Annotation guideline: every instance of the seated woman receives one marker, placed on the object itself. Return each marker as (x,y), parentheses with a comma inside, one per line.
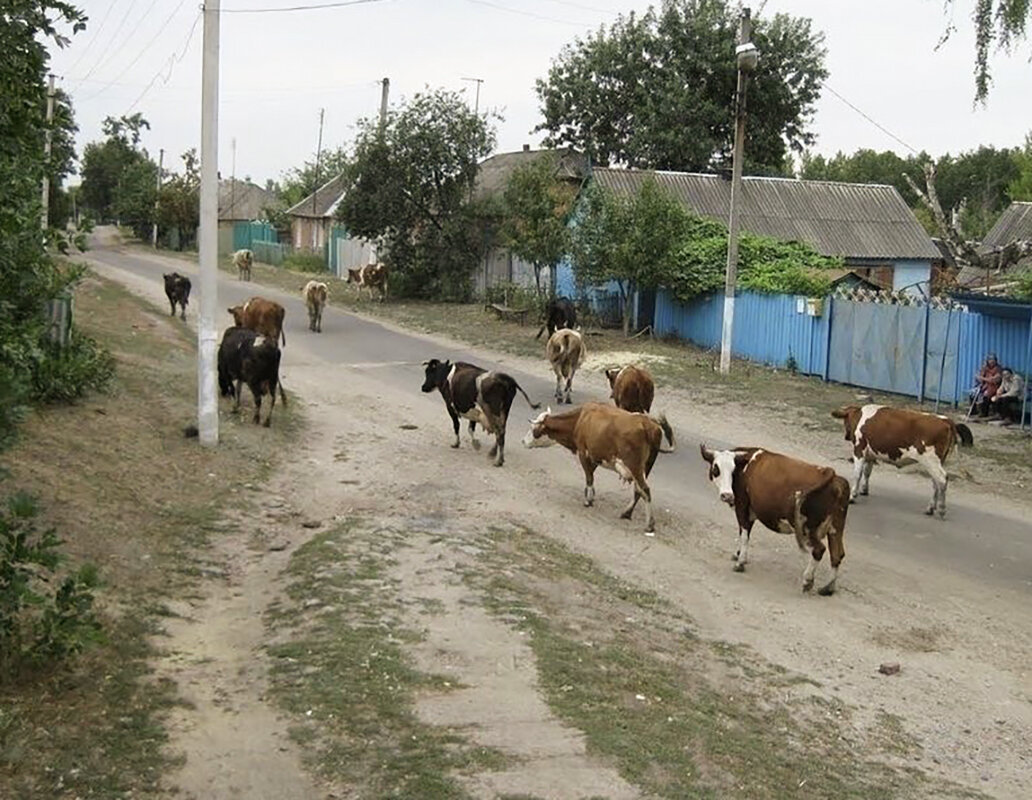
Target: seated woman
(987,383)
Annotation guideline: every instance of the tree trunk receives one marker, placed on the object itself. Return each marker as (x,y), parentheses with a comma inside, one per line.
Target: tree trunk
(628,299)
(537,278)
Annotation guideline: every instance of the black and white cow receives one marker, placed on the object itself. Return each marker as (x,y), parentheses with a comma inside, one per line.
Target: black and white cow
(177,290)
(477,395)
(248,357)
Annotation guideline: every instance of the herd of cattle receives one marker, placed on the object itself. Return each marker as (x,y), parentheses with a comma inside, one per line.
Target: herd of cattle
(785,494)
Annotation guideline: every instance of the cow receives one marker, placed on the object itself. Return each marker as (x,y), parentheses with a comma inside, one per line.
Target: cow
(559,313)
(601,435)
(248,357)
(787,496)
(477,395)
(369,277)
(901,437)
(242,260)
(177,289)
(565,351)
(262,316)
(315,294)
(632,388)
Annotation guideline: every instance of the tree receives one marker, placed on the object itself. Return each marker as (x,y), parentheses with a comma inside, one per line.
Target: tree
(300,182)
(1001,21)
(657,91)
(1020,188)
(632,240)
(112,168)
(409,184)
(179,204)
(536,207)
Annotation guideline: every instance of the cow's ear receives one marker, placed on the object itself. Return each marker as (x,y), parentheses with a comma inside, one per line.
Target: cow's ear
(844,412)
(707,454)
(742,458)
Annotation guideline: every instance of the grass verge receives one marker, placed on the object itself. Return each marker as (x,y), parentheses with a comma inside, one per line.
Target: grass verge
(127,492)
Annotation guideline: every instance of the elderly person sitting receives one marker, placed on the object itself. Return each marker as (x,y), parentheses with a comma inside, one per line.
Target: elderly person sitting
(1006,402)
(987,383)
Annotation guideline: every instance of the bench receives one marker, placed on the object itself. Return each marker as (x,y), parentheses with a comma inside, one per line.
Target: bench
(505,312)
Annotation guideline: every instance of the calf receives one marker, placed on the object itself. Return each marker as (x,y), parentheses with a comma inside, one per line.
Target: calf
(371,276)
(901,437)
(247,357)
(262,316)
(177,289)
(477,395)
(787,496)
(601,435)
(242,260)
(565,351)
(559,313)
(315,294)
(632,388)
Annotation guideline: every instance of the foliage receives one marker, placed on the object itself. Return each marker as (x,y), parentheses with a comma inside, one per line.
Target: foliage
(1023,287)
(656,90)
(68,373)
(41,620)
(536,207)
(115,175)
(1000,21)
(179,201)
(300,182)
(408,186)
(1020,188)
(305,262)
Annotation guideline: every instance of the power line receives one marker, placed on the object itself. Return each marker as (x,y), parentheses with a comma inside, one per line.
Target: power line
(311,7)
(527,13)
(96,35)
(114,37)
(583,7)
(880,127)
(172,61)
(129,36)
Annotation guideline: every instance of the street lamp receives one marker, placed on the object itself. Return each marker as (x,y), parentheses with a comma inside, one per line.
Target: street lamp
(747,57)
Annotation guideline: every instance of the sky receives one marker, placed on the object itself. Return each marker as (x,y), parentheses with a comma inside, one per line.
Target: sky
(279,68)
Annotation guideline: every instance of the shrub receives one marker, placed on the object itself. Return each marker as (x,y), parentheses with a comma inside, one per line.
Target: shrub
(516,296)
(305,262)
(40,624)
(63,374)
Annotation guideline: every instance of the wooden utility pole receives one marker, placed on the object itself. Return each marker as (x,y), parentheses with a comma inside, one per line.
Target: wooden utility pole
(383,102)
(46,149)
(318,158)
(476,103)
(744,67)
(154,228)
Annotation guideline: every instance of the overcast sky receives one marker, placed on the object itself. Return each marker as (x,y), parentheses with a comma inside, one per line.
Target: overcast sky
(278,69)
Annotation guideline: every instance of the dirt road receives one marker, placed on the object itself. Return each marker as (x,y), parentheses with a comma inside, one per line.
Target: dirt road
(948,600)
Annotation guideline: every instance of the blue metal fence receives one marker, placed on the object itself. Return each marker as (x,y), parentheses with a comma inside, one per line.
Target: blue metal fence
(245,234)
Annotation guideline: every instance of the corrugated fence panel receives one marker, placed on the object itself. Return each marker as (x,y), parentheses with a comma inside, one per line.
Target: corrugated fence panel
(981,334)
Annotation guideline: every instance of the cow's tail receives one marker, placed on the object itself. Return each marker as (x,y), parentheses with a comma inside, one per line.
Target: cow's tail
(541,331)
(661,420)
(963,434)
(801,496)
(529,403)
(283,333)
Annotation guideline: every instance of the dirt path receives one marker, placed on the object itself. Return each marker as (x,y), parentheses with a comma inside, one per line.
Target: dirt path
(964,692)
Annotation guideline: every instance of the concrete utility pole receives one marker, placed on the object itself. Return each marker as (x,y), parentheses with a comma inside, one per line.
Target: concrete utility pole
(154,228)
(46,149)
(383,102)
(207,400)
(747,57)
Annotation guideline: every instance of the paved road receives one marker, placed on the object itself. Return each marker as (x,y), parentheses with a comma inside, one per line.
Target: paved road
(992,548)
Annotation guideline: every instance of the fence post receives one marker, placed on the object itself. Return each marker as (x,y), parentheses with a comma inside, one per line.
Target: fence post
(827,348)
(942,363)
(924,355)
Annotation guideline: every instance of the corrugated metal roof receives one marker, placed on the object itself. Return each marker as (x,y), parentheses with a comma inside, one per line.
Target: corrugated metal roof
(851,220)
(327,197)
(1014,223)
(243,200)
(494,171)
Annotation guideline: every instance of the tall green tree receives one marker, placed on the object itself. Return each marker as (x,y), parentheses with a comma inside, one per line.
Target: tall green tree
(999,25)
(657,91)
(536,208)
(113,171)
(409,185)
(299,182)
(1020,188)
(179,204)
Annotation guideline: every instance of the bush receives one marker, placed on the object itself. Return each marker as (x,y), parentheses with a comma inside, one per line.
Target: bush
(305,262)
(38,623)
(516,296)
(63,374)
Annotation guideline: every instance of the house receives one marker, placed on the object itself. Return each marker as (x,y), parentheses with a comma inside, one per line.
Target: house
(241,201)
(867,225)
(1014,225)
(312,220)
(499,266)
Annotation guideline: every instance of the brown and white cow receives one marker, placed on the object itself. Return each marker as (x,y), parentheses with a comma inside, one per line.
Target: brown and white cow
(242,260)
(565,351)
(787,496)
(262,316)
(477,395)
(632,388)
(315,294)
(371,276)
(604,436)
(901,438)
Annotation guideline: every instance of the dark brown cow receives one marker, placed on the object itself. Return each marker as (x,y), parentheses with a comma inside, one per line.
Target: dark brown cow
(787,496)
(559,313)
(632,387)
(371,276)
(901,437)
(177,289)
(262,316)
(565,351)
(603,436)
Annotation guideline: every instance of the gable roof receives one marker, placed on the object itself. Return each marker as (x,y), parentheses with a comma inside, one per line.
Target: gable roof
(326,197)
(1014,223)
(851,220)
(243,200)
(494,171)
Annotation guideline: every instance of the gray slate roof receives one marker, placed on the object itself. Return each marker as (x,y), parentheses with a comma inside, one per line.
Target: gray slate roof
(243,200)
(327,197)
(494,171)
(851,220)
(1014,223)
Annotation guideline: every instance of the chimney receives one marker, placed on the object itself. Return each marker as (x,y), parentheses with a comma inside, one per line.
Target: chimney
(526,148)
